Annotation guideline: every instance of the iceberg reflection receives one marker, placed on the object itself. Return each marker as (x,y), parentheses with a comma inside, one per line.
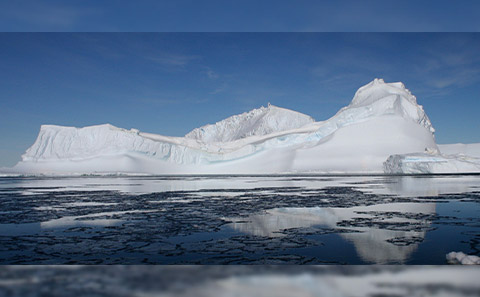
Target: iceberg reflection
(384,233)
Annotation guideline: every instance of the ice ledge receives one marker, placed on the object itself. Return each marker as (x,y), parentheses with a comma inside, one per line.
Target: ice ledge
(431,163)
(106,126)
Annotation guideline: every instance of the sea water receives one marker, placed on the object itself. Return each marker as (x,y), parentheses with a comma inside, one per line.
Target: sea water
(292,219)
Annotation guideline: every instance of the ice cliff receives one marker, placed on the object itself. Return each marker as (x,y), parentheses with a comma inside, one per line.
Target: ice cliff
(383,120)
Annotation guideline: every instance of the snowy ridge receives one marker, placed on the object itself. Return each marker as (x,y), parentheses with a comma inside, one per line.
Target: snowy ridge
(383,119)
(260,121)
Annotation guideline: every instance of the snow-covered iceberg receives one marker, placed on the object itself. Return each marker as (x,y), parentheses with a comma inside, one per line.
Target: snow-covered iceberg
(383,119)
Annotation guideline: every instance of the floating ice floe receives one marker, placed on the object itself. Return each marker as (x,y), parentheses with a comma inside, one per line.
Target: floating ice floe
(461,258)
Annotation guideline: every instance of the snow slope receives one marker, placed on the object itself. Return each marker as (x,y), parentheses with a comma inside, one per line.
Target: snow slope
(383,119)
(261,121)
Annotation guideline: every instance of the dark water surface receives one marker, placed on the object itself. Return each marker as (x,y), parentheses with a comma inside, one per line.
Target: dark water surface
(238,219)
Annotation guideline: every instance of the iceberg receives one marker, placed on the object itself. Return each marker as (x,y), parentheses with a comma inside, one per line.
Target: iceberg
(382,120)
(461,258)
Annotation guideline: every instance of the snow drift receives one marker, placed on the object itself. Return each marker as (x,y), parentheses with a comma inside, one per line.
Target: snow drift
(383,119)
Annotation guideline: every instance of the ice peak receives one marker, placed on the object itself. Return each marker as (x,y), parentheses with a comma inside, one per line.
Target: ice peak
(379,89)
(270,106)
(259,121)
(379,97)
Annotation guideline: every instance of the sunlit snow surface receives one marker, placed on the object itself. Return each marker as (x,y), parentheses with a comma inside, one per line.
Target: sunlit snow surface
(305,219)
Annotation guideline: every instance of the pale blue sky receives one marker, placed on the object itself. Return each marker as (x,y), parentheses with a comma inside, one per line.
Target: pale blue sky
(170,83)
